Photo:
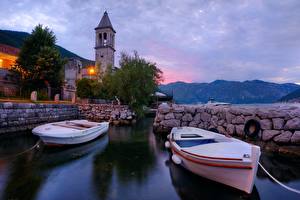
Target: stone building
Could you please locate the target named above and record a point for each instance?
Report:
(8, 83)
(72, 72)
(104, 44)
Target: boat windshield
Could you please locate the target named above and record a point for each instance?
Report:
(191, 143)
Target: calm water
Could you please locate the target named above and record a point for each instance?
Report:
(127, 163)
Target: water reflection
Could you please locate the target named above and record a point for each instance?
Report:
(28, 175)
(283, 168)
(128, 158)
(128, 163)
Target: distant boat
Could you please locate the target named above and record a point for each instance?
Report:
(70, 132)
(213, 102)
(214, 156)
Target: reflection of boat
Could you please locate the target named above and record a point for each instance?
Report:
(215, 156)
(70, 132)
(189, 186)
(57, 156)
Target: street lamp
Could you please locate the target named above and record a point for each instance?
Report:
(91, 71)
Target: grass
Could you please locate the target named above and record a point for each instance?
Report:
(16, 100)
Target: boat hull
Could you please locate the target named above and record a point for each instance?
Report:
(241, 177)
(83, 137)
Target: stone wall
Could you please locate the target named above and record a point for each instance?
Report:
(25, 116)
(280, 123)
(117, 114)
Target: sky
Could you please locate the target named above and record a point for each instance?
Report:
(190, 40)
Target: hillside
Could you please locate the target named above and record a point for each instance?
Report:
(255, 91)
(291, 97)
(16, 39)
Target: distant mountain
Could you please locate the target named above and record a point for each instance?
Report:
(255, 91)
(16, 39)
(291, 97)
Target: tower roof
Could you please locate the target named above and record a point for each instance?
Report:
(105, 22)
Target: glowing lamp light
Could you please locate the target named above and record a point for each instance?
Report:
(1, 63)
(91, 71)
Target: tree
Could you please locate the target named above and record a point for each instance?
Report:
(136, 80)
(89, 88)
(84, 88)
(39, 63)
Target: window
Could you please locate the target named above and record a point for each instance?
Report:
(105, 36)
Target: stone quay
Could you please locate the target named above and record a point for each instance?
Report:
(17, 117)
(279, 123)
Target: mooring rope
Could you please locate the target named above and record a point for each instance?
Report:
(281, 184)
(20, 153)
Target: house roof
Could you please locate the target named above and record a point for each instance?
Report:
(105, 22)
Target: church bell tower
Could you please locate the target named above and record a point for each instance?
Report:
(105, 44)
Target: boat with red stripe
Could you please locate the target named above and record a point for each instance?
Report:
(215, 156)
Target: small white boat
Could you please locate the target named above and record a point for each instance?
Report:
(70, 132)
(214, 156)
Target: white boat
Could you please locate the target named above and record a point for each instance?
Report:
(214, 156)
(70, 132)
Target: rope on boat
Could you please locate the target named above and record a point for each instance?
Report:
(281, 184)
(25, 151)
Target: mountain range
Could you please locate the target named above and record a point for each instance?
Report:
(16, 39)
(255, 91)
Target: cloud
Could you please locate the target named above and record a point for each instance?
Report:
(193, 40)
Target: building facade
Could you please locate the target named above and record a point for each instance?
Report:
(8, 83)
(104, 44)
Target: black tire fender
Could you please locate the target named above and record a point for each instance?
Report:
(252, 128)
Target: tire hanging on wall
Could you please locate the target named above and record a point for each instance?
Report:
(252, 128)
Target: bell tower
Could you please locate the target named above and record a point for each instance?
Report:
(105, 44)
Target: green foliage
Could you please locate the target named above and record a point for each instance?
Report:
(89, 88)
(84, 88)
(135, 81)
(39, 62)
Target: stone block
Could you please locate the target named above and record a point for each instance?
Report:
(56, 98)
(205, 117)
(178, 115)
(229, 117)
(266, 124)
(238, 120)
(269, 134)
(178, 108)
(187, 117)
(295, 139)
(293, 124)
(221, 130)
(33, 96)
(190, 109)
(239, 129)
(230, 129)
(169, 116)
(278, 123)
(170, 123)
(193, 124)
(283, 138)
(164, 108)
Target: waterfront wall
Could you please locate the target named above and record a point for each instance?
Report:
(25, 116)
(116, 114)
(280, 123)
(15, 117)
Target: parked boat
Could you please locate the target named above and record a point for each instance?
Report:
(214, 156)
(70, 132)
